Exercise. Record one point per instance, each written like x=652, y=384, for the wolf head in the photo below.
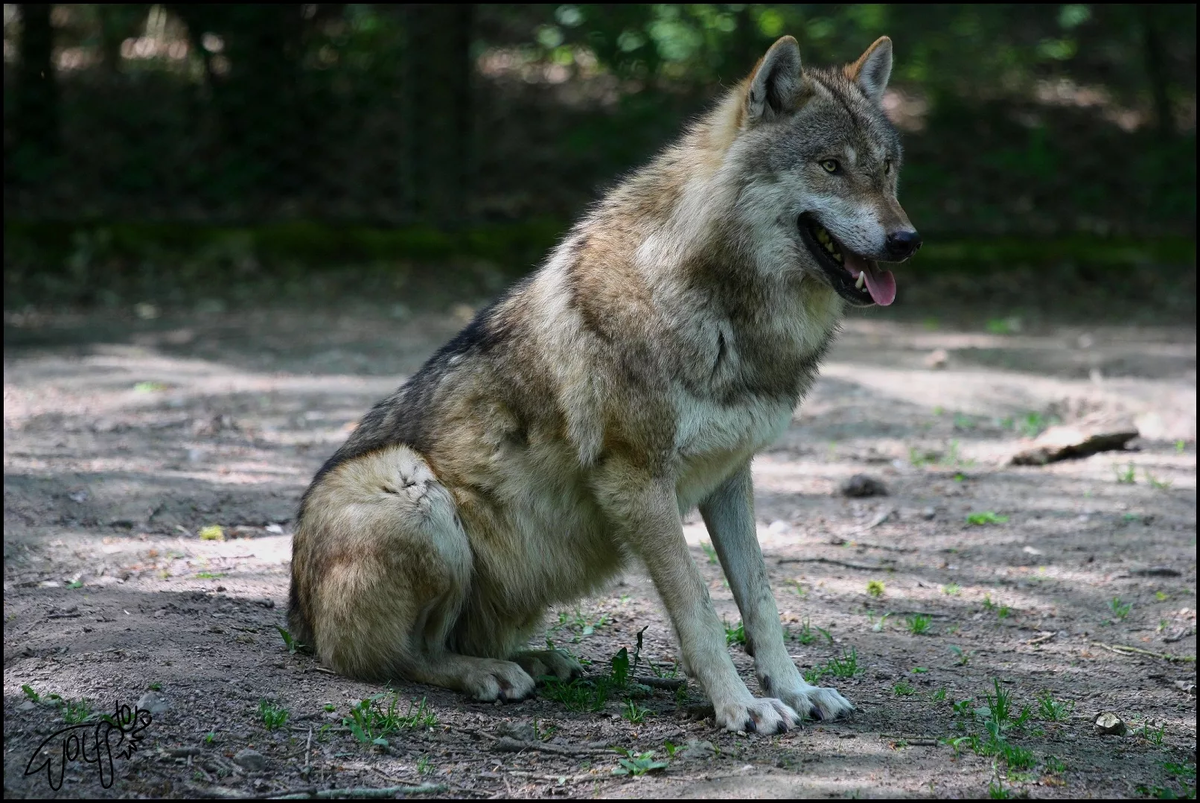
x=820, y=162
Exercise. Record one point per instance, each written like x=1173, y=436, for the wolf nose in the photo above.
x=903, y=244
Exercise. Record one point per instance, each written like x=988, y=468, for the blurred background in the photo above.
x=245, y=154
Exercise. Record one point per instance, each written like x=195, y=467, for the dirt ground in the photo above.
x=125, y=437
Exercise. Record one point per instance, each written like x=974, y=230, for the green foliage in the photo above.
x=371, y=723
x=841, y=666
x=288, y=640
x=1053, y=710
x=636, y=764
x=985, y=517
x=634, y=713
x=272, y=716
x=918, y=624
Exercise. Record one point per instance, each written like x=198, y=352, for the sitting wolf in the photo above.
x=561, y=436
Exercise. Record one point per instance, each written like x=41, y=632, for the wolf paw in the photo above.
x=760, y=715
x=499, y=680
x=818, y=702
x=552, y=663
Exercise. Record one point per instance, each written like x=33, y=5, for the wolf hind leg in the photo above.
x=381, y=566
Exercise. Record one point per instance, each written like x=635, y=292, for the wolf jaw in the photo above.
x=855, y=278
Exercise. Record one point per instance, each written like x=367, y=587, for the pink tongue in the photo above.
x=881, y=284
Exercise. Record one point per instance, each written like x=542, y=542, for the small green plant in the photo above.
x=1120, y=609
x=962, y=657
x=214, y=532
x=579, y=625
x=30, y=693
x=371, y=723
x=878, y=624
x=903, y=689
x=875, y=589
x=75, y=584
x=209, y=576
x=964, y=709
x=1154, y=736
x=424, y=767
x=799, y=588
x=1180, y=445
x=1003, y=612
x=670, y=748
x=75, y=711
x=544, y=731
x=952, y=590
x=939, y=696
x=329, y=708
x=843, y=666
x=1161, y=485
x=1053, y=710
x=996, y=790
x=1126, y=476
x=985, y=517
x=998, y=709
x=1017, y=757
x=918, y=624
x=210, y=737
x=577, y=695
x=636, y=764
x=735, y=634
x=1054, y=765
x=805, y=634
x=273, y=716
x=1161, y=596
x=988, y=605
x=709, y=552
x=155, y=686
x=288, y=641
x=634, y=713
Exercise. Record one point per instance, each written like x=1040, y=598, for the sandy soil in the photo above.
x=125, y=438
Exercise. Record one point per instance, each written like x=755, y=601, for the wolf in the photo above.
x=562, y=435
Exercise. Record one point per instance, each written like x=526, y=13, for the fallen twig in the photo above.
x=1042, y=639
x=832, y=562
x=359, y=792
x=661, y=683
x=875, y=522
x=914, y=741
x=843, y=542
x=1122, y=649
x=507, y=744
x=307, y=755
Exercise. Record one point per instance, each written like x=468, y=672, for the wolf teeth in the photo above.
x=862, y=279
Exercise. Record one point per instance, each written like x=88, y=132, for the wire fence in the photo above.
x=1018, y=120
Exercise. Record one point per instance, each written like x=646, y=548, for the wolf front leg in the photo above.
x=647, y=517
x=729, y=514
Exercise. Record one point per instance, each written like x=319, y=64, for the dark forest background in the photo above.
x=145, y=140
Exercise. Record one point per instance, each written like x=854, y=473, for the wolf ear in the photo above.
x=873, y=69
x=776, y=82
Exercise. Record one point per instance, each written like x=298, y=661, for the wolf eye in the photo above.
x=831, y=165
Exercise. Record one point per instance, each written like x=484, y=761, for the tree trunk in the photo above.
x=35, y=102
x=437, y=106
